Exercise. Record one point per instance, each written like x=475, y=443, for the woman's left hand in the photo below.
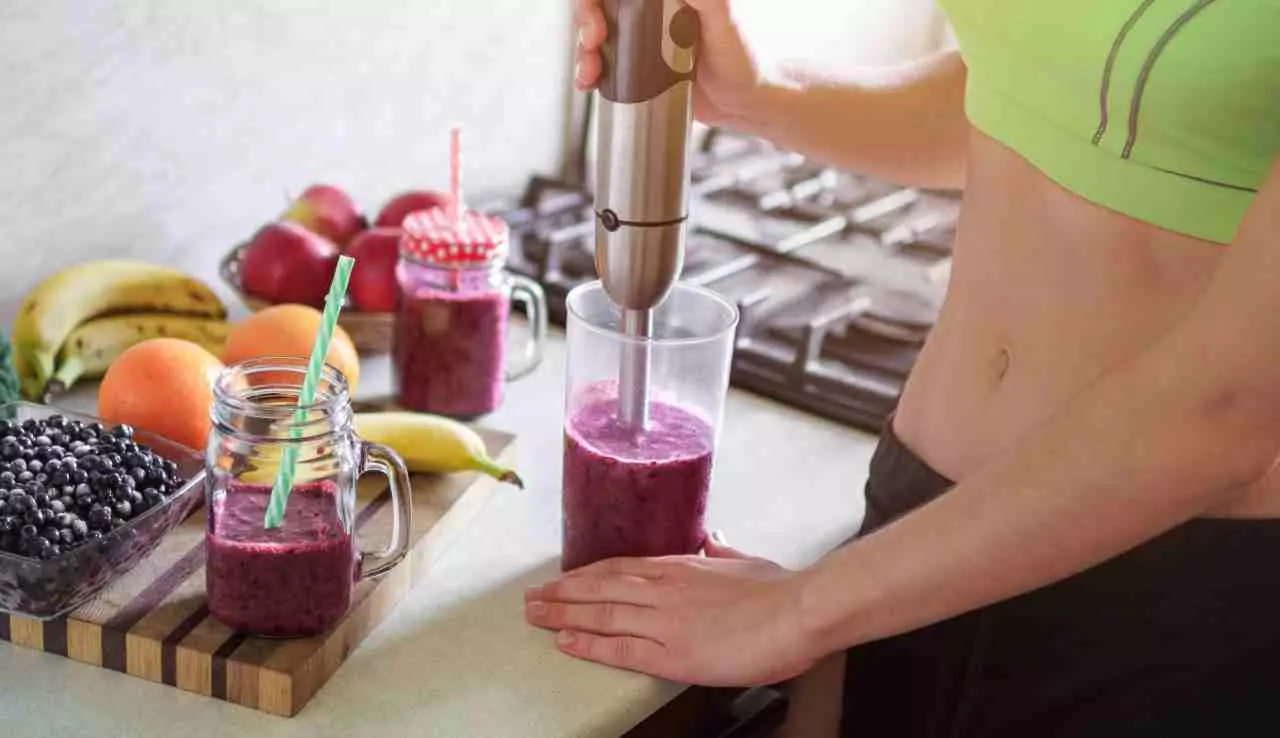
x=724, y=620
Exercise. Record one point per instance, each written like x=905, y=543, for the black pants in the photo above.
x=1178, y=637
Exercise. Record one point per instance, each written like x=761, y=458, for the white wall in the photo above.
x=169, y=129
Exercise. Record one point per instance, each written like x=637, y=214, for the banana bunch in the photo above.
x=63, y=331
x=90, y=349
x=432, y=444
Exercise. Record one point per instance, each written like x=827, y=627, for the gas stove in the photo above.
x=838, y=277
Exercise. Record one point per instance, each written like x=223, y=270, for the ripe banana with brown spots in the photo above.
x=90, y=349
x=77, y=294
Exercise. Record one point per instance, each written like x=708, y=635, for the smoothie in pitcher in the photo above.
x=634, y=493
x=295, y=580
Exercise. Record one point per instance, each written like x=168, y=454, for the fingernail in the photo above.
x=719, y=538
x=566, y=637
x=532, y=591
x=577, y=72
x=582, y=34
x=537, y=608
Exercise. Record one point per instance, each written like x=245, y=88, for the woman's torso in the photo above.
x=1048, y=291
x=1168, y=110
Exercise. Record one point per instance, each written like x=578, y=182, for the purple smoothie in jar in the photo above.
x=450, y=350
x=291, y=581
x=634, y=493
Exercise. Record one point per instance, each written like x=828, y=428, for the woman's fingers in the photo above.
x=604, y=618
x=636, y=654
x=595, y=588
x=591, y=26
x=591, y=34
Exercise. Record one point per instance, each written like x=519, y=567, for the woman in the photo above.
x=1103, y=386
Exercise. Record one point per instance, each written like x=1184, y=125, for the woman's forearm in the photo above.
x=906, y=125
x=1147, y=448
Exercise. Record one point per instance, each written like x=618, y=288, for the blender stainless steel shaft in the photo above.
x=642, y=172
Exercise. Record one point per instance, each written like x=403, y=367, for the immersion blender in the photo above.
x=642, y=172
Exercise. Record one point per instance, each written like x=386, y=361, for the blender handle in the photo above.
x=378, y=458
x=649, y=47
x=529, y=293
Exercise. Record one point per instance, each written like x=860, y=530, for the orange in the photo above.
x=164, y=386
x=290, y=330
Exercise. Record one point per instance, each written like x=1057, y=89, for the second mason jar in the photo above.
x=450, y=353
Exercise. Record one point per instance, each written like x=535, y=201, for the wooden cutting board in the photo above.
x=154, y=622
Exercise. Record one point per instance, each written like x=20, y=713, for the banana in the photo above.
x=91, y=348
x=432, y=444
x=65, y=300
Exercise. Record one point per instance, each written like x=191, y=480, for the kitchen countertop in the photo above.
x=456, y=657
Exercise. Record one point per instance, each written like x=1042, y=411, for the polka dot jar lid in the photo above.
x=475, y=239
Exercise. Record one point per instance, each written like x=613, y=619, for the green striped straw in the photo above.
x=306, y=397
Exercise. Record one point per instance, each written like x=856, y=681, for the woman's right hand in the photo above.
x=727, y=88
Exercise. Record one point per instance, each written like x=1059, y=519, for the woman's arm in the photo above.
x=905, y=124
x=1151, y=444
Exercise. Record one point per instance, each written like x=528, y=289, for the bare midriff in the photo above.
x=1048, y=291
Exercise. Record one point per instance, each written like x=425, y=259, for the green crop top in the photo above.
x=1164, y=110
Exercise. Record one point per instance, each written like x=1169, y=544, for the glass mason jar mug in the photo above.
x=455, y=300
x=296, y=579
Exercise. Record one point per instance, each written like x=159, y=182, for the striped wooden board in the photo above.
x=154, y=622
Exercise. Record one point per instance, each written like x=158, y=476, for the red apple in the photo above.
x=327, y=210
x=285, y=262
x=398, y=208
x=373, y=280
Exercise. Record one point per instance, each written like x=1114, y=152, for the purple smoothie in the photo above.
x=295, y=580
x=450, y=351
x=629, y=493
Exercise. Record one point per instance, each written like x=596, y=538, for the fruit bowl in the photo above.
x=48, y=588
x=372, y=333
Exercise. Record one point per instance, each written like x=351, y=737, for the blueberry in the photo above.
x=6, y=478
x=117, y=459
x=89, y=461
x=30, y=424
x=49, y=533
x=57, y=420
x=83, y=450
x=93, y=535
x=51, y=551
x=124, y=510
x=106, y=464
x=29, y=531
x=88, y=436
x=10, y=451
x=52, y=466
x=79, y=476
x=56, y=507
x=67, y=500
x=42, y=500
x=44, y=441
x=96, y=428
x=63, y=520
x=8, y=524
x=59, y=479
x=57, y=454
x=17, y=466
x=26, y=476
x=152, y=498
x=37, y=516
x=99, y=518
x=6, y=427
x=66, y=537
x=22, y=502
x=83, y=490
x=79, y=528
x=35, y=467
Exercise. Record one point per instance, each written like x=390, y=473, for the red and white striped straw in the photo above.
x=456, y=206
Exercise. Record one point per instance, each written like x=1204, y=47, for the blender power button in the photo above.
x=684, y=28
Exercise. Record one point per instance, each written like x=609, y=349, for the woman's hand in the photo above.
x=728, y=82
x=725, y=620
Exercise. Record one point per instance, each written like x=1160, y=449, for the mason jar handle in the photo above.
x=529, y=293
x=382, y=460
